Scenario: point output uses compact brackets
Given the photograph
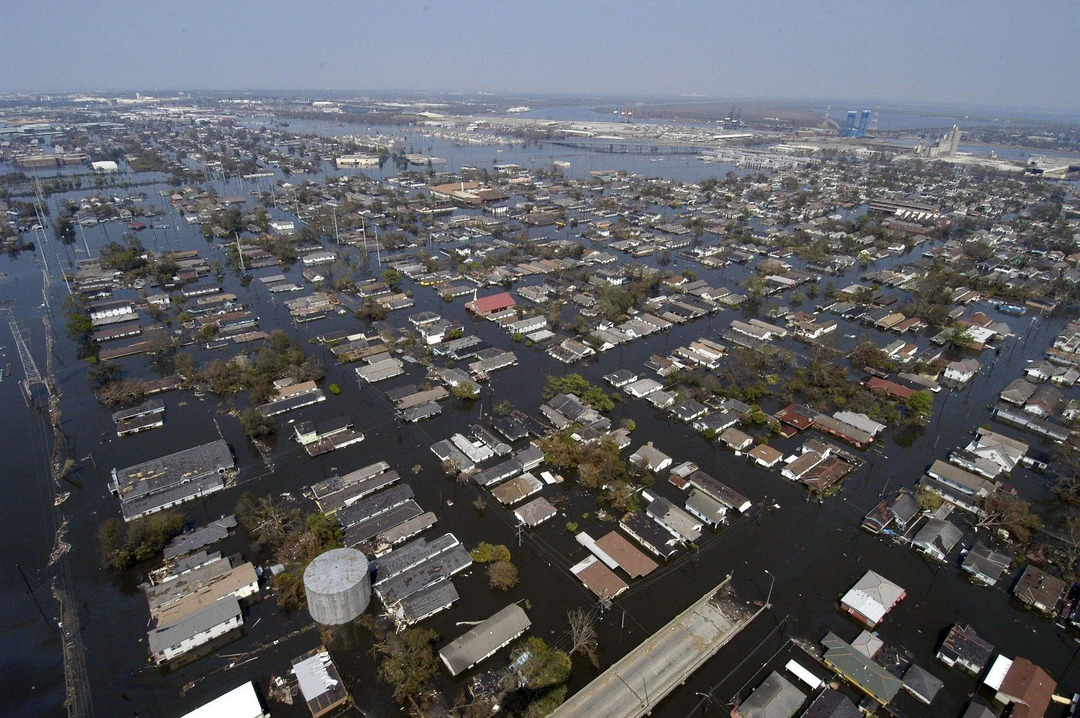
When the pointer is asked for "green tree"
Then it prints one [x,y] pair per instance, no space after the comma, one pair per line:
[392,277]
[409,663]
[255,424]
[920,404]
[121,545]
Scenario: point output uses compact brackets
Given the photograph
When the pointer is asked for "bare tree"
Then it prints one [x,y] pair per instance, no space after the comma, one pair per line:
[583,639]
[502,575]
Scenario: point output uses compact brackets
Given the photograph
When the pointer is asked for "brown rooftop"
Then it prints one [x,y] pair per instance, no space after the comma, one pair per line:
[631,560]
[1029,688]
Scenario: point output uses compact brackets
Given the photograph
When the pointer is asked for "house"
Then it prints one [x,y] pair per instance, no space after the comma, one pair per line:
[195,629]
[776,697]
[937,538]
[1018,392]
[832,704]
[735,439]
[1003,450]
[689,410]
[1044,401]
[961,372]
[1039,590]
[319,681]
[682,525]
[765,455]
[485,306]
[921,684]
[984,564]
[648,457]
[860,671]
[1021,684]
[717,421]
[964,648]
[871,598]
[897,511]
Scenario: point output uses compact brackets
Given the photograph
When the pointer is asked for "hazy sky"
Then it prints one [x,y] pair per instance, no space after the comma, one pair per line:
[986,52]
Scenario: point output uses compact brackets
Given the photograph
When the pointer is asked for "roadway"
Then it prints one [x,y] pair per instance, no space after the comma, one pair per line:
[634,685]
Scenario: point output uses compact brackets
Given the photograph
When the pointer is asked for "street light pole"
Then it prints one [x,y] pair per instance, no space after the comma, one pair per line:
[772,580]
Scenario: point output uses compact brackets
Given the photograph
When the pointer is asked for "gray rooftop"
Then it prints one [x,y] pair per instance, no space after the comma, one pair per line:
[482,640]
[218,612]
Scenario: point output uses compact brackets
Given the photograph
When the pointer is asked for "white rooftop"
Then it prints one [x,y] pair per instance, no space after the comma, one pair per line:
[240,702]
[872,596]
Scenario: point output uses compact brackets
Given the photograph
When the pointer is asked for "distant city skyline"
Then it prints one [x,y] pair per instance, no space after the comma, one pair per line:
[988,53]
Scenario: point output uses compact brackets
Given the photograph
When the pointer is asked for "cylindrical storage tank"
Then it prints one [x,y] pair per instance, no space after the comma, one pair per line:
[338,586]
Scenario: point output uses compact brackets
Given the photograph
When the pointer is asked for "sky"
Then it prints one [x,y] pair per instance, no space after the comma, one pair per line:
[954,52]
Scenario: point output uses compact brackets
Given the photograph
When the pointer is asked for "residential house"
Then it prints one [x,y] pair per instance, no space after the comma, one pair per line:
[985,564]
[766,456]
[776,697]
[648,457]
[964,648]
[1044,401]
[871,598]
[1021,684]
[1039,590]
[937,538]
[962,371]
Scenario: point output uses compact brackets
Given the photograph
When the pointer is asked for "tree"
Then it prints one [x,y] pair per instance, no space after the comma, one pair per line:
[1005,511]
[545,667]
[488,553]
[392,277]
[920,404]
[266,521]
[121,545]
[409,663]
[464,390]
[255,424]
[583,639]
[103,372]
[290,591]
[502,575]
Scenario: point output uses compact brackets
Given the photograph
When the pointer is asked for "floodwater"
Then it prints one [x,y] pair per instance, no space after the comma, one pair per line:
[800,553]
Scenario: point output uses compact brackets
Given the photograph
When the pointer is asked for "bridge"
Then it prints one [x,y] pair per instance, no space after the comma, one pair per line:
[634,685]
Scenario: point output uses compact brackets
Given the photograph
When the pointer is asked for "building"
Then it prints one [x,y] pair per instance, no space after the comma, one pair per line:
[860,671]
[1039,590]
[1021,684]
[871,598]
[194,630]
[320,683]
[937,538]
[984,564]
[171,480]
[241,702]
[776,697]
[359,160]
[483,640]
[338,586]
[485,306]
[964,648]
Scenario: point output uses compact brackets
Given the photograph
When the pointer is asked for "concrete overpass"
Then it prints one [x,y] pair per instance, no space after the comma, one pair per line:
[634,685]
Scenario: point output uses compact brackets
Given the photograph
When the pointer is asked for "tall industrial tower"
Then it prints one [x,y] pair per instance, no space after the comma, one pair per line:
[849,124]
